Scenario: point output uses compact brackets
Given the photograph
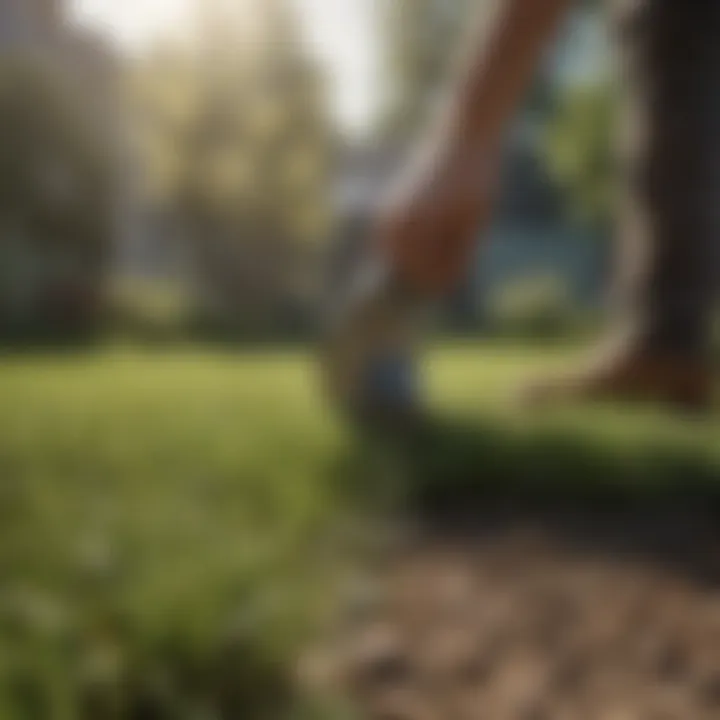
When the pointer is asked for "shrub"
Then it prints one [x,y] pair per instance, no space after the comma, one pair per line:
[536,307]
[150,312]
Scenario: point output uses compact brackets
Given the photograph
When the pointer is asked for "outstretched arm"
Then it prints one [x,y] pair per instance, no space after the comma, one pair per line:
[430,226]
[502,59]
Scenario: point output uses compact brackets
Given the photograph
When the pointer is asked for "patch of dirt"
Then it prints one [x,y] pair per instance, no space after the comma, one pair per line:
[542,615]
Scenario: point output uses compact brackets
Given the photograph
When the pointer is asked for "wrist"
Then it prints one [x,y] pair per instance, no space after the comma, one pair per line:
[461,132]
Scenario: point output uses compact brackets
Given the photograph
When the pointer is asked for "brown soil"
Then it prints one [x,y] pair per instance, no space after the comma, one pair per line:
[544,615]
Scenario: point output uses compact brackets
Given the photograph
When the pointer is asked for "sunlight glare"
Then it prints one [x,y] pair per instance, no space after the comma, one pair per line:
[340,33]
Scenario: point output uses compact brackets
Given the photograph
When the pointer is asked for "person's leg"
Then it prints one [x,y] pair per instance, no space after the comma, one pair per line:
[670,216]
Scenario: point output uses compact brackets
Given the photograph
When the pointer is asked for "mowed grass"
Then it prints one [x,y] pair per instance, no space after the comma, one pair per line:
[163,531]
[171,523]
[484,440]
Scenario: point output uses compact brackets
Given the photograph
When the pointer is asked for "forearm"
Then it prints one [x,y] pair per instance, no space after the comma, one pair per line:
[494,75]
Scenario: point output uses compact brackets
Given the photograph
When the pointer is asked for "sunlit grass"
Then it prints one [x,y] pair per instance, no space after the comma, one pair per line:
[159,511]
[165,515]
[485,439]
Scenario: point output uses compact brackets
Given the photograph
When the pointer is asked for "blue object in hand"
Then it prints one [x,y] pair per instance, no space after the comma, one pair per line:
[390,382]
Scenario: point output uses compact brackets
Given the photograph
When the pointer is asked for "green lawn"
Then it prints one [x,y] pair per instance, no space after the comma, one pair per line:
[484,433]
[170,522]
[159,513]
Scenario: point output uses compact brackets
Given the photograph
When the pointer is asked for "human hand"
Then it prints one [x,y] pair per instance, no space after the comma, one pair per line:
[428,228]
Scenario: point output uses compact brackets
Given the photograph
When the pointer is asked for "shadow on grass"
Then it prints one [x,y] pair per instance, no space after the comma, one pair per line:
[454,463]
[652,500]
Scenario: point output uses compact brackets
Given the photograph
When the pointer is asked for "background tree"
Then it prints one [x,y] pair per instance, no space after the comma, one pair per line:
[239,146]
[419,42]
[56,215]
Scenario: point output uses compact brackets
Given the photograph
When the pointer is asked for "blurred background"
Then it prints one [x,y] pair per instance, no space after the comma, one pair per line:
[182,519]
[179,169]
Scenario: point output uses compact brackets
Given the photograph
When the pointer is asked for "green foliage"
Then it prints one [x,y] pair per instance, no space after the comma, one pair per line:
[237,145]
[55,197]
[535,307]
[420,41]
[150,312]
[578,149]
